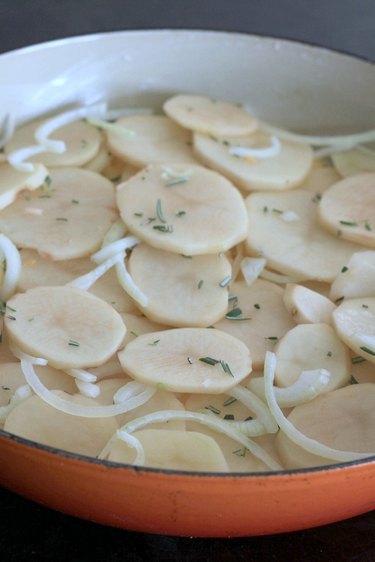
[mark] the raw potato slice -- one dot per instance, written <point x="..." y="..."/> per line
<point x="343" y="419"/>
<point x="363" y="371"/>
<point x="181" y="291"/>
<point x="284" y="171"/>
<point x="156" y="139"/>
<point x="357" y="277"/>
<point x="50" y="218"/>
<point x="348" y="207"/>
<point x="352" y="162"/>
<point x="100" y="161"/>
<point x="238" y="458"/>
<point x="38" y="271"/>
<point x="171" y="360"/>
<point x="82" y="142"/>
<point x="210" y="116"/>
<point x="308" y="347"/>
<point x="301" y="248"/>
<point x="307" y="306"/>
<point x="354" y="321"/>
<point x="36" y="420"/>
<point x="263" y="305"/>
<point x="69" y="327"/>
<point x="204" y="214"/>
<point x="12" y="377"/>
<point x="321" y="176"/>
<point x="175" y="450"/>
<point x="12" y="182"/>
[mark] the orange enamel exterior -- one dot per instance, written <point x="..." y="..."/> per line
<point x="185" y="504"/>
<point x="276" y="77"/>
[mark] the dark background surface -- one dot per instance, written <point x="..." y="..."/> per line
<point x="31" y="532"/>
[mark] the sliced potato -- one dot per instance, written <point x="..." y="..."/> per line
<point x="173" y="449"/>
<point x="348" y="207"/>
<point x="203" y="214"/>
<point x="100" y="161"/>
<point x="354" y="320"/>
<point x="356" y="278"/>
<point x="181" y="291"/>
<point x="263" y="319"/>
<point x="308" y="347"/>
<point x="82" y="142"/>
<point x="307" y="306"/>
<point x="36" y="420"/>
<point x="342" y="419"/>
<point x="12" y="182"/>
<point x="362" y="370"/>
<point x="172" y="360"/>
<point x="37" y="271"/>
<point x="69" y="327"/>
<point x="284" y="171"/>
<point x="321" y="176"/>
<point x="355" y="161"/>
<point x="209" y="116"/>
<point x="300" y="248"/>
<point x="50" y="218"/>
<point x="156" y="139"/>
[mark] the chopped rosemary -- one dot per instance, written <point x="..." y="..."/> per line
<point x="10" y="317"/>
<point x="209" y="360"/>
<point x="187" y="257"/>
<point x="358" y="359"/>
<point x="48" y="180"/>
<point x="339" y="232"/>
<point x="317" y="197"/>
<point x="364" y="306"/>
<point x="176" y="181"/>
<point x="348" y="223"/>
<point x="229" y="401"/>
<point x="134" y="333"/>
<point x="189" y="360"/>
<point x="62" y="219"/>
<point x="180" y="213"/>
<point x="277" y="211"/>
<point x="225" y="282"/>
<point x="236" y="314"/>
<point x="329" y="354"/>
<point x="159" y="211"/>
<point x="138" y="214"/>
<point x="30" y="319"/>
<point x="272" y="338"/>
<point x="344" y="269"/>
<point x="163" y="228"/>
<point x="249" y="418"/>
<point x="340" y="299"/>
<point x="75" y="201"/>
<point x="212" y="409"/>
<point x="153" y="343"/>
<point x="229" y="417"/>
<point x="367" y="350"/>
<point x="240" y="452"/>
<point x="73" y="343"/>
<point x="5" y="387"/>
<point x="226" y="368"/>
<point x="10" y="308"/>
<point x="265" y="209"/>
<point x="115" y="178"/>
<point x="368" y="226"/>
<point x="200" y="284"/>
<point x="257" y="306"/>
<point x="353" y="380"/>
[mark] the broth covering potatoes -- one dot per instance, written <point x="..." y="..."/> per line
<point x="217" y="281"/>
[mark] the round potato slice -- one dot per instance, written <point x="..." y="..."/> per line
<point x="261" y="317"/>
<point x="36" y="420"/>
<point x="203" y="214"/>
<point x="82" y="142"/>
<point x="12" y="182"/>
<point x="348" y="207"/>
<point x="50" y="218"/>
<point x="355" y="161"/>
<point x="69" y="327"/>
<point x="354" y="321"/>
<point x="181" y="291"/>
<point x="299" y="247"/>
<point x="210" y="116"/>
<point x="155" y="139"/>
<point x="37" y="271"/>
<point x="308" y="347"/>
<point x="342" y="419"/>
<point x="307" y="306"/>
<point x="356" y="278"/>
<point x="173" y="449"/>
<point x="283" y="171"/>
<point x="321" y="176"/>
<point x="193" y="360"/>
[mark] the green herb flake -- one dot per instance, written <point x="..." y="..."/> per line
<point x="212" y="409"/>
<point x="75" y="201"/>
<point x="364" y="306"/>
<point x="176" y="181"/>
<point x="153" y="343"/>
<point x="229" y="401"/>
<point x="189" y="360"/>
<point x="5" y="387"/>
<point x="11" y="309"/>
<point x="225" y="282"/>
<point x="257" y="306"/>
<point x="317" y="197"/>
<point x="277" y="211"/>
<point x="368" y="226"/>
<point x="209" y="360"/>
<point x="358" y="359"/>
<point x="367" y="350"/>
<point x="62" y="219"/>
<point x="11" y="317"/>
<point x="73" y="343"/>
<point x="240" y="452"/>
<point x="339" y="300"/>
<point x="200" y="284"/>
<point x="265" y="209"/>
<point x="353" y="380"/>
<point x="226" y="368"/>
<point x="339" y="232"/>
<point x="30" y="319"/>
<point x="236" y="314"/>
<point x="159" y="211"/>
<point x="134" y="333"/>
<point x="180" y="213"/>
<point x="48" y="180"/>
<point x="115" y="178"/>
<point x="163" y="228"/>
<point x="229" y="417"/>
<point x="329" y="354"/>
<point x="344" y="269"/>
<point x="138" y="214"/>
<point x="348" y="223"/>
<point x="272" y="338"/>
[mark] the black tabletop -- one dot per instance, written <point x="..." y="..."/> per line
<point x="32" y="532"/>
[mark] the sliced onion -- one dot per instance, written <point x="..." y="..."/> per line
<point x="268" y="152"/>
<point x="19" y="396"/>
<point x="75" y="409"/>
<point x="117" y="231"/>
<point x="310" y="445"/>
<point x="88" y="388"/>
<point x="13" y="267"/>
<point x="7" y="129"/>
<point x="17" y="157"/>
<point x="252" y="268"/>
<point x="111" y="127"/>
<point x="131" y="441"/>
<point x="343" y="140"/>
<point x="81" y="375"/>
<point x="127" y="283"/>
<point x="278" y="277"/>
<point x="115" y="247"/>
<point x="86" y="281"/>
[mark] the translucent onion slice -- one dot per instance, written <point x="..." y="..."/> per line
<point x="267" y="152"/>
<point x="13" y="266"/>
<point x="252" y="268"/>
<point x="19" y="396"/>
<point x="81" y="375"/>
<point x="264" y="421"/>
<point x="88" y="388"/>
<point x="86" y="281"/>
<point x="127" y="283"/>
<point x="116" y="246"/>
<point x="7" y="129"/>
<point x="307" y="387"/>
<point x="278" y="278"/>
<point x="310" y="445"/>
<point x="344" y="140"/>
<point x="17" y="157"/>
<point x="213" y="423"/>
<point x="117" y="231"/>
<point x="75" y="409"/>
